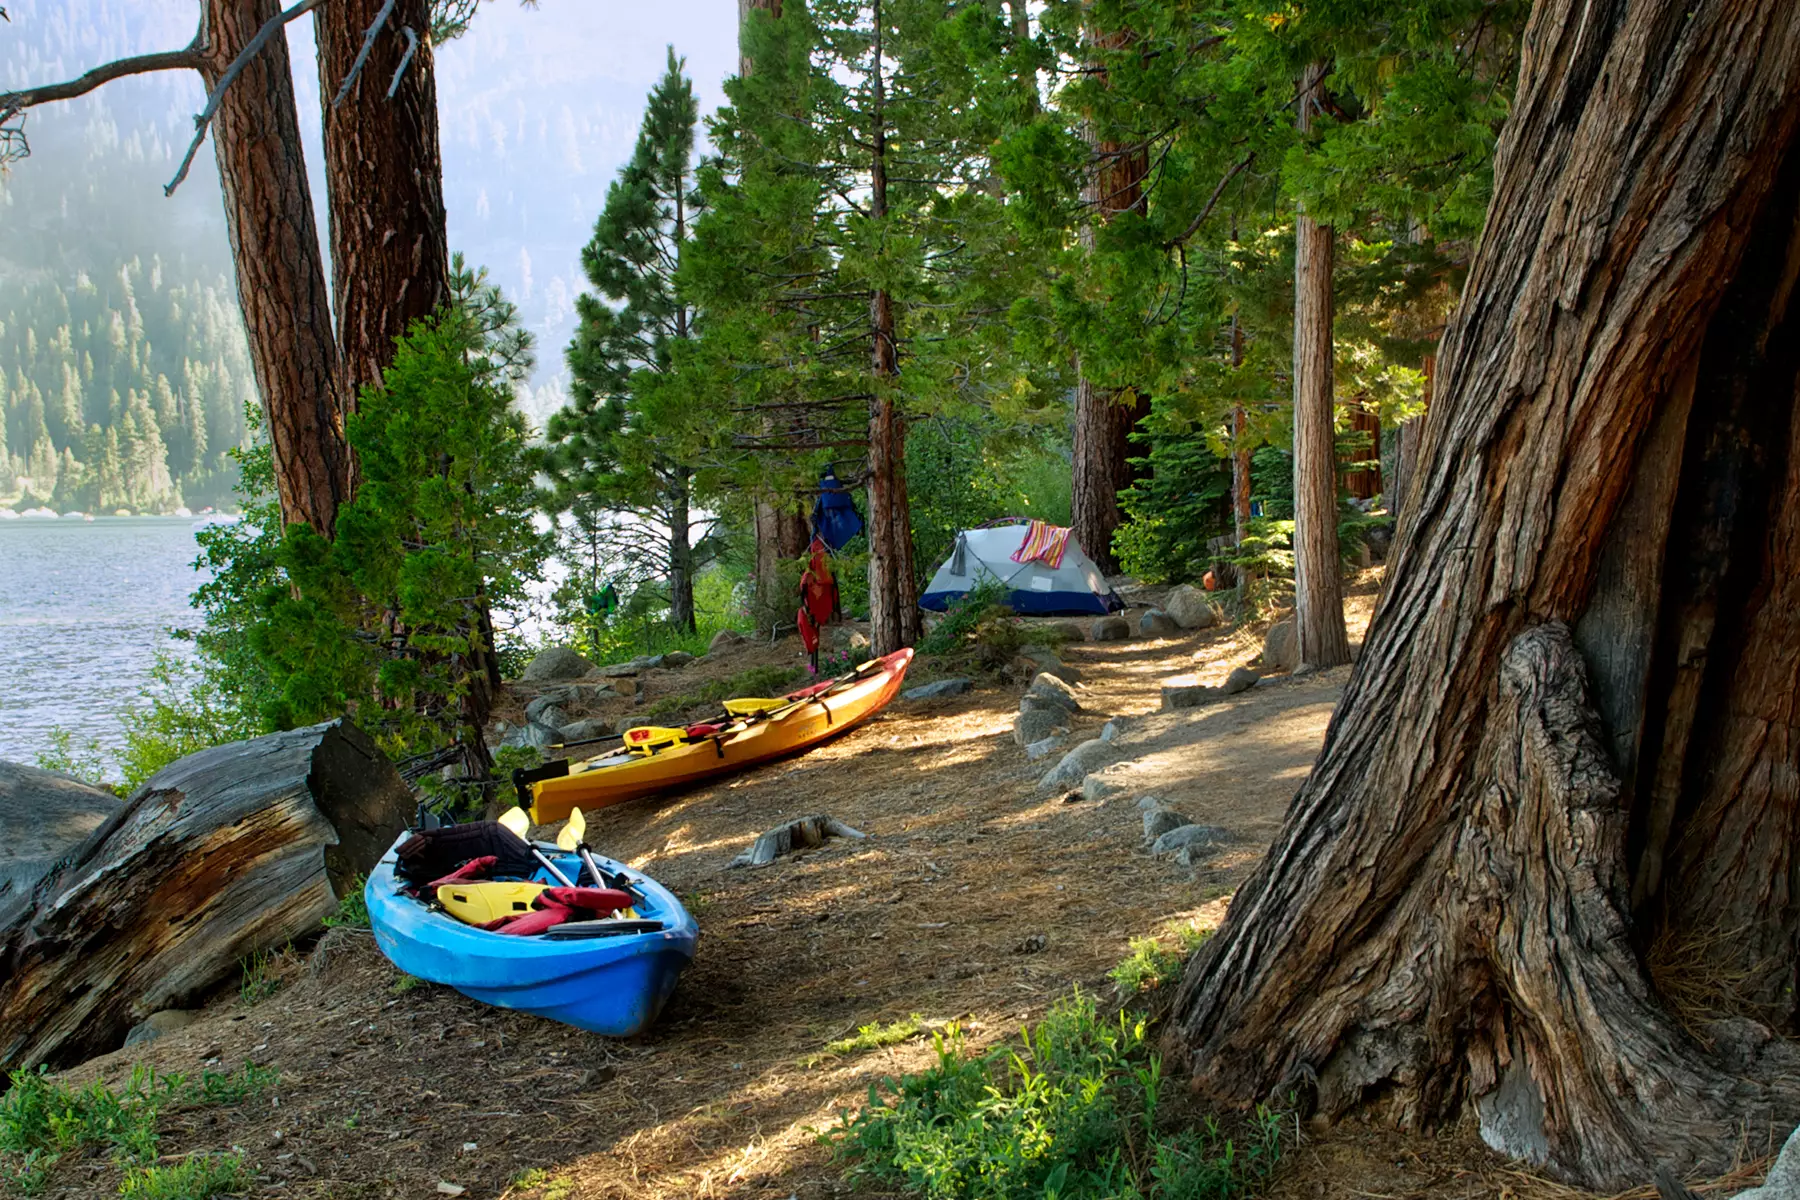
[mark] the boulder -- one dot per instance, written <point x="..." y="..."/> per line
<point x="648" y="662"/>
<point x="1783" y="1179"/>
<point x="677" y="658"/>
<point x="592" y="729"/>
<point x="1033" y="661"/>
<point x="156" y="1024"/>
<point x="1044" y="747"/>
<point x="1149" y="801"/>
<point x="1109" y="629"/>
<point x="844" y="637"/>
<point x="724" y="639"/>
<point x="1158" y="821"/>
<point x="1079" y="763"/>
<point x="1099" y="787"/>
<point x="1048" y="689"/>
<point x="558" y="662"/>
<point x="236" y="850"/>
<point x="1191" y="608"/>
<point x="1189" y="836"/>
<point x="551" y="716"/>
<point x="938" y="690"/>
<point x="1241" y="679"/>
<point x="45" y="816"/>
<point x="1068" y="631"/>
<point x="1157" y="623"/>
<point x="1038" y="724"/>
<point x="1186" y="694"/>
<point x="1281" y="648"/>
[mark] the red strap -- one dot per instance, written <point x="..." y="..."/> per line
<point x="475" y="868"/>
<point x="535" y="921"/>
<point x="599" y="900"/>
<point x="700" y="731"/>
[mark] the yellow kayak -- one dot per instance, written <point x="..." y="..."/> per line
<point x="676" y="758"/>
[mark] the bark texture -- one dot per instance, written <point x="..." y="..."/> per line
<point x="1318" y="572"/>
<point x="1363" y="481"/>
<point x="389" y="253"/>
<point x="1408" y="435"/>
<point x="1240" y="449"/>
<point x="280" y="271"/>
<point x="1461" y="904"/>
<point x="228" y="852"/>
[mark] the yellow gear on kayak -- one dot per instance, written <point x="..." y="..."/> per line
<point x="488" y="900"/>
<point x="648" y="739"/>
<point x="749" y="706"/>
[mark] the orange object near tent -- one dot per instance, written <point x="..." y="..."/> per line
<point x="1210" y="582"/>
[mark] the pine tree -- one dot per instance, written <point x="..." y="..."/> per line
<point x="629" y="441"/>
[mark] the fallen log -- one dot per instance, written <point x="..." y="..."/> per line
<point x="804" y="833"/>
<point x="228" y="852"/>
<point x="45" y="816"/>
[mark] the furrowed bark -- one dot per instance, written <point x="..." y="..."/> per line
<point x="1460" y="904"/>
<point x="280" y="272"/>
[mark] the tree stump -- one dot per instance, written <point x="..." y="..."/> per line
<point x="228" y="852"/>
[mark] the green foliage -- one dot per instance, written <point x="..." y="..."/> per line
<point x="79" y="758"/>
<point x="259" y="978"/>
<point x="757" y="681"/>
<point x="1181" y="501"/>
<point x="1150" y="965"/>
<point x="196" y="1177"/>
<point x="871" y="1037"/>
<point x="964" y="616"/>
<point x="189" y="709"/>
<point x="641" y="627"/>
<point x="1072" y="1113"/>
<point x="353" y="906"/>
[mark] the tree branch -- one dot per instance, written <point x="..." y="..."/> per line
<point x="412" y="45"/>
<point x="186" y="59"/>
<point x="362" y="56"/>
<point x="271" y="27"/>
<point x="1194" y="225"/>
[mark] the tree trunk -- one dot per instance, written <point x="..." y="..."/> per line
<point x="1240" y="449"/>
<point x="1553" y="873"/>
<point x="1105" y="417"/>
<point x="681" y="553"/>
<point x="1318" y="573"/>
<point x="280" y="272"/>
<point x="230" y="852"/>
<point x="389" y="250"/>
<point x="745" y="8"/>
<point x="1364" y="480"/>
<point x="1407" y="437"/>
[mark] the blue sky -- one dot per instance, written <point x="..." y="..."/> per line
<point x="539" y="108"/>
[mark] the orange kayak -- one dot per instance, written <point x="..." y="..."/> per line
<point x="800" y="722"/>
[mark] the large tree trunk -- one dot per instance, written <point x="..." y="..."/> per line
<point x="1553" y="873"/>
<point x="1106" y="417"/>
<point x="1240" y="449"/>
<point x="1364" y="480"/>
<point x="681" y="552"/>
<point x="229" y="852"/>
<point x="389" y="250"/>
<point x="1407" y="438"/>
<point x="280" y="272"/>
<point x="1318" y="573"/>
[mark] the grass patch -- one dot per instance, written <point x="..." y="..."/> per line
<point x="541" y="1185"/>
<point x="405" y="984"/>
<point x="43" y="1119"/>
<point x="1071" y="1113"/>
<point x="197" y="1177"/>
<point x="872" y="1037"/>
<point x="757" y="681"/>
<point x="260" y="980"/>
<point x="353" y="908"/>
<point x="1150" y="964"/>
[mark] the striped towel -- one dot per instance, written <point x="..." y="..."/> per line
<point x="1043" y="543"/>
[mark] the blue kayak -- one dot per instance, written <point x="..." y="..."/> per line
<point x="615" y="985"/>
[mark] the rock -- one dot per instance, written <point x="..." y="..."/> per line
<point x="1197" y="855"/>
<point x="45" y="815"/>
<point x="157" y="1024"/>
<point x="1188" y="695"/>
<point x="724" y="639"/>
<point x="1033" y="661"/>
<point x="938" y="690"/>
<point x="677" y="658"/>
<point x="1044" y="747"/>
<point x="1033" y="944"/>
<point x="1034" y="725"/>
<point x="1783" y="1180"/>
<point x="1113" y="730"/>
<point x="1241" y="679"/>
<point x="648" y="662"/>
<point x="549" y="716"/>
<point x="558" y="662"/>
<point x="1157" y="623"/>
<point x="1099" y="787"/>
<point x="1191" y="608"/>
<point x="1148" y="802"/>
<point x="1068" y="631"/>
<point x="590" y="730"/>
<point x="533" y="735"/>
<point x="1079" y="763"/>
<point x="1158" y="821"/>
<point x="844" y="637"/>
<point x="1281" y="648"/>
<point x="1109" y="629"/>
<point x="1188" y="835"/>
<point x="1052" y="690"/>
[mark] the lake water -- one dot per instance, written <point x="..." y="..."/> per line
<point x="84" y="607"/>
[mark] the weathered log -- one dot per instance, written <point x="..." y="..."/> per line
<point x="804" y="833"/>
<point x="231" y="851"/>
<point x="45" y="816"/>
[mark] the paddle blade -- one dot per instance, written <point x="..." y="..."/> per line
<point x="573" y="833"/>
<point x="515" y="820"/>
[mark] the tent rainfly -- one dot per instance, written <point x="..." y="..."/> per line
<point x="1074" y="587"/>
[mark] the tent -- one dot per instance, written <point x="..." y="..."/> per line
<point x="1074" y="587"/>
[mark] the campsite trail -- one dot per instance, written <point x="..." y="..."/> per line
<point x="389" y="1087"/>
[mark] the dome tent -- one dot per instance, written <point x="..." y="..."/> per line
<point x="1074" y="587"/>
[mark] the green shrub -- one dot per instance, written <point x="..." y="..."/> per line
<point x="1151" y="965"/>
<point x="197" y="1177"/>
<point x="353" y="907"/>
<point x="80" y="758"/>
<point x="259" y="979"/>
<point x="757" y="681"/>
<point x="1071" y="1114"/>
<point x="963" y="616"/>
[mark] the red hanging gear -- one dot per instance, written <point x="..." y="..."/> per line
<point x="818" y="596"/>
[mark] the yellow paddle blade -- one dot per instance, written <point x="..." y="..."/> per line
<point x="749" y="706"/>
<point x="515" y="820"/>
<point x="647" y="739"/>
<point x="574" y="833"/>
<point x="488" y="900"/>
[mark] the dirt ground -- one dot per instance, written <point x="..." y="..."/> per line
<point x="389" y="1088"/>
